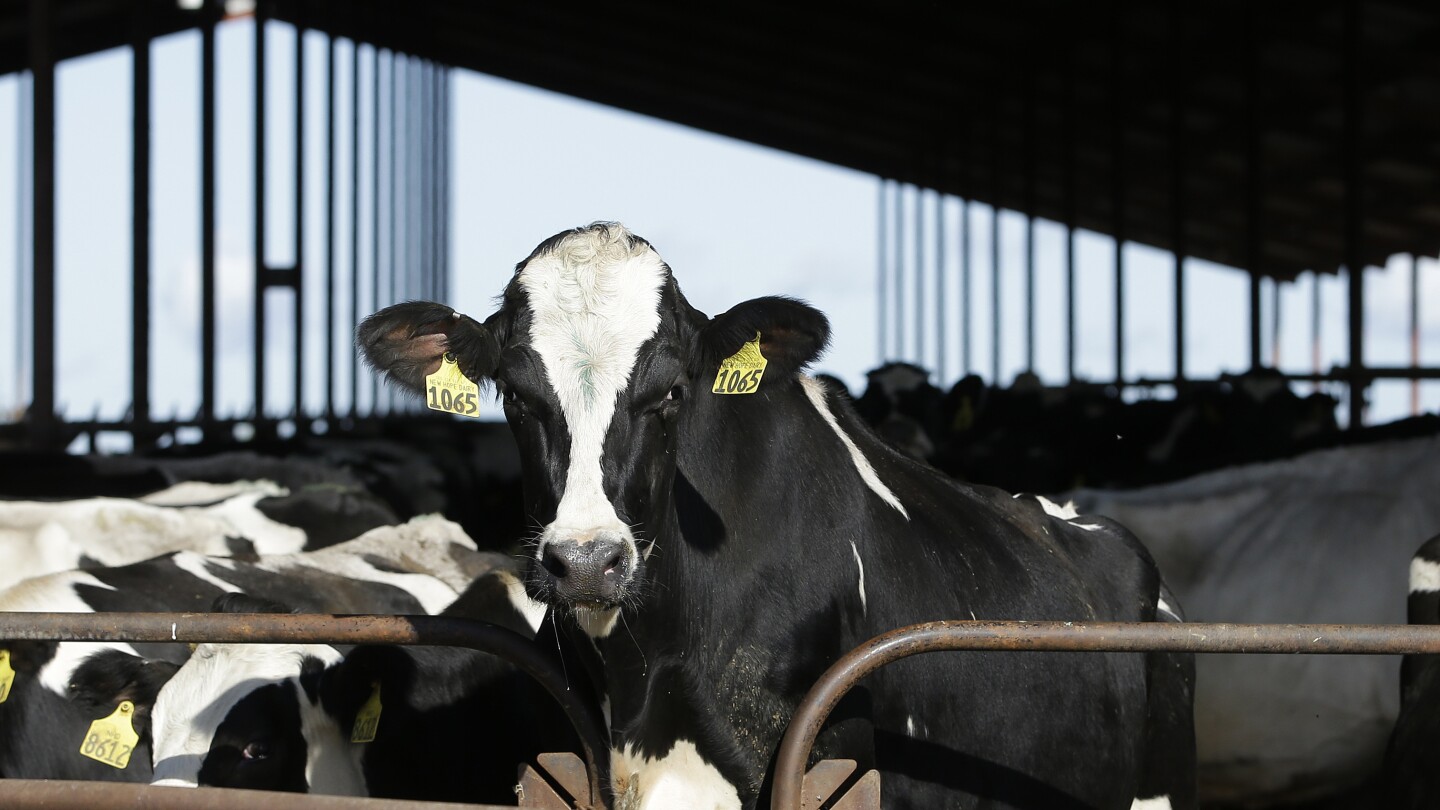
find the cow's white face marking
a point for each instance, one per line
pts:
(679, 780)
(1157, 803)
(594, 300)
(1065, 512)
(815, 392)
(197, 699)
(1424, 576)
(1163, 607)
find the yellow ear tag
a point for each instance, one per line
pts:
(451, 391)
(7, 675)
(367, 720)
(740, 373)
(111, 739)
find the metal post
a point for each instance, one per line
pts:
(392, 268)
(881, 279)
(1254, 192)
(1029, 146)
(354, 225)
(330, 226)
(995, 246)
(1315, 324)
(1354, 212)
(1071, 212)
(1274, 323)
(919, 275)
(1414, 332)
(208, 354)
(42, 220)
(964, 327)
(375, 298)
(1117, 169)
(899, 266)
(1178, 61)
(940, 289)
(259, 381)
(140, 225)
(24, 153)
(298, 274)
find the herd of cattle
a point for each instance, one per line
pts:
(704, 552)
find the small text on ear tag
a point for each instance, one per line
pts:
(7, 675)
(112, 739)
(740, 373)
(367, 720)
(449, 390)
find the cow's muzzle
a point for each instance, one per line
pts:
(595, 572)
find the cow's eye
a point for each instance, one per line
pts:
(676, 394)
(258, 749)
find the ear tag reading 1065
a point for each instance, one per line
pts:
(112, 739)
(451, 391)
(367, 720)
(740, 373)
(7, 675)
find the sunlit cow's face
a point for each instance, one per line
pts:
(597, 356)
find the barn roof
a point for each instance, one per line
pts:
(1102, 116)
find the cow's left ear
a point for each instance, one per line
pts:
(406, 342)
(109, 677)
(792, 333)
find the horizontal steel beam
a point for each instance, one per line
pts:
(272, 628)
(37, 794)
(1333, 639)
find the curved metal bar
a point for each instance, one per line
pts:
(275, 628)
(1331, 639)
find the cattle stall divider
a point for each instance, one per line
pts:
(792, 784)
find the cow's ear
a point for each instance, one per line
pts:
(406, 342)
(29, 656)
(108, 677)
(346, 687)
(792, 333)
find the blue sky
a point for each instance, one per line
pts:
(734, 220)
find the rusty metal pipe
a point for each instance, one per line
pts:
(1332, 639)
(273, 628)
(38, 794)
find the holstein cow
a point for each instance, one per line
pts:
(453, 724)
(1410, 780)
(1323, 537)
(59, 689)
(722, 550)
(225, 519)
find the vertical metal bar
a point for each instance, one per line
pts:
(140, 223)
(1275, 323)
(1353, 161)
(23, 232)
(1028, 136)
(995, 246)
(899, 265)
(1414, 333)
(1254, 191)
(1117, 178)
(964, 328)
(208, 355)
(1315, 324)
(881, 279)
(426, 128)
(354, 225)
(1071, 147)
(330, 226)
(259, 315)
(299, 272)
(392, 267)
(1178, 98)
(447, 139)
(919, 275)
(375, 298)
(940, 369)
(42, 220)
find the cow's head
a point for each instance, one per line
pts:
(600, 361)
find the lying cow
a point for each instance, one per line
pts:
(1324, 537)
(61, 688)
(454, 724)
(724, 527)
(224, 519)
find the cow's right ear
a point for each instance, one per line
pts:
(406, 342)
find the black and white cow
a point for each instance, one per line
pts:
(454, 724)
(60, 688)
(722, 550)
(1410, 780)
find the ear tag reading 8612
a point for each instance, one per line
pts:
(7, 675)
(451, 391)
(740, 373)
(367, 720)
(111, 739)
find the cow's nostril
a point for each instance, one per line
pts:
(555, 564)
(613, 562)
